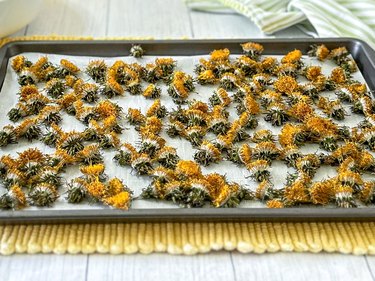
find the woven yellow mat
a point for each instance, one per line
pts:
(184, 238)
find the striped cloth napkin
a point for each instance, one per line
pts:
(323, 18)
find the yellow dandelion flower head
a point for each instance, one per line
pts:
(275, 204)
(321, 126)
(153, 108)
(18, 194)
(220, 55)
(188, 169)
(322, 192)
(92, 170)
(297, 192)
(286, 84)
(149, 90)
(262, 189)
(292, 57)
(18, 63)
(211, 149)
(121, 200)
(68, 65)
(28, 90)
(114, 85)
(313, 72)
(252, 46)
(251, 105)
(338, 75)
(95, 188)
(322, 52)
(257, 165)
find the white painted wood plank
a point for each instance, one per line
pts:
(300, 266)
(370, 261)
(214, 266)
(71, 17)
(231, 25)
(43, 267)
(159, 19)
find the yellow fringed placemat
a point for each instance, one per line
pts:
(183, 238)
(188, 238)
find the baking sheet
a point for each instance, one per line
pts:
(8, 98)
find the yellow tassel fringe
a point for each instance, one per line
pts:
(188, 238)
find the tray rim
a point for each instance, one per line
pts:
(186, 214)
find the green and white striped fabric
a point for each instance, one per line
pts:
(329, 18)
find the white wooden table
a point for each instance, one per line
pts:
(167, 19)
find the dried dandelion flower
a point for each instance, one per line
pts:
(43, 195)
(55, 88)
(266, 191)
(151, 92)
(206, 77)
(141, 163)
(276, 114)
(18, 112)
(352, 179)
(97, 70)
(14, 198)
(76, 191)
(28, 129)
(247, 65)
(297, 193)
(259, 170)
(71, 142)
(90, 92)
(108, 140)
(207, 153)
(120, 200)
(90, 155)
(275, 204)
(240, 154)
(269, 64)
(156, 109)
(312, 72)
(19, 63)
(290, 154)
(167, 66)
(321, 52)
(286, 84)
(252, 50)
(293, 57)
(7, 136)
(308, 164)
(136, 51)
(344, 196)
(220, 97)
(125, 154)
(95, 189)
(228, 81)
(135, 117)
(292, 135)
(368, 192)
(69, 66)
(195, 135)
(175, 128)
(167, 157)
(263, 136)
(338, 76)
(186, 169)
(323, 192)
(338, 55)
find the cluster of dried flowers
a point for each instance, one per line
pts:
(251, 83)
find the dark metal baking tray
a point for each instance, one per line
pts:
(361, 52)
